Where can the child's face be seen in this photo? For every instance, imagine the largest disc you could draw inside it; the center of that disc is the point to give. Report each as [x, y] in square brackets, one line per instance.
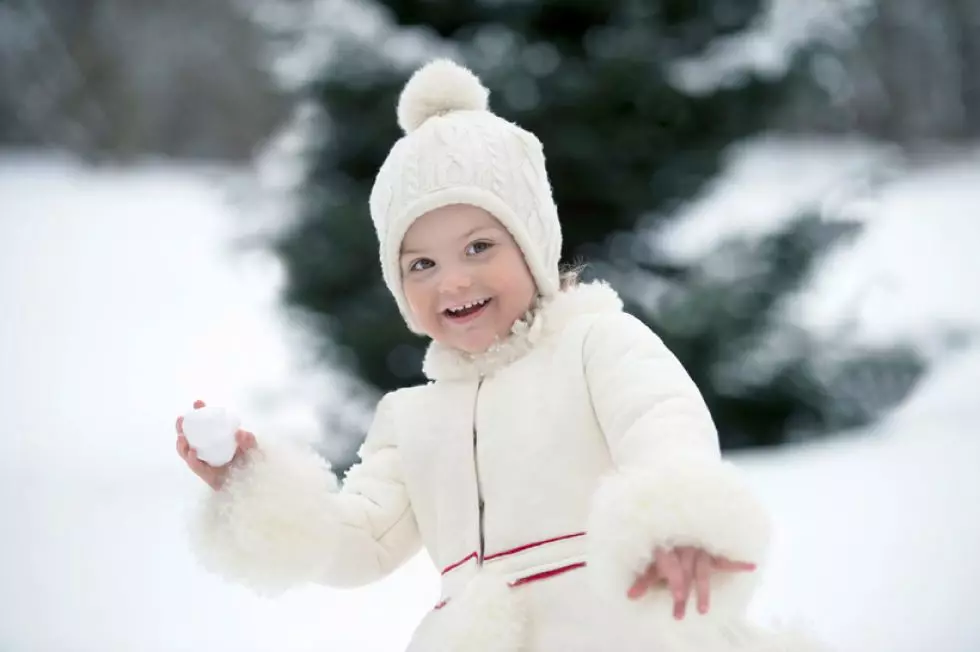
[459, 255]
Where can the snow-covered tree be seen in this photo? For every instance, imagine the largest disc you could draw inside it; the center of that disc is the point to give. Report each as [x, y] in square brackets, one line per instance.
[635, 105]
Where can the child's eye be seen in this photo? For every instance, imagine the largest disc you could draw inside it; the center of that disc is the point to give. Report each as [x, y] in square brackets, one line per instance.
[478, 247]
[420, 264]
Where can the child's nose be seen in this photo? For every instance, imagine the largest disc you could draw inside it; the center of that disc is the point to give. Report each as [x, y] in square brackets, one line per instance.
[453, 281]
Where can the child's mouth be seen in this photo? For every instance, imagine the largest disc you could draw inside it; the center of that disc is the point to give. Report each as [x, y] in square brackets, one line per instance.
[466, 312]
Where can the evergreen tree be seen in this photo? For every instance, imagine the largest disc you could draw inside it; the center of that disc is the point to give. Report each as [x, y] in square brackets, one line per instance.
[624, 147]
[765, 379]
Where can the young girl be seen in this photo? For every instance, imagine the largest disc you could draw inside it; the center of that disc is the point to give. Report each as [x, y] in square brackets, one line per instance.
[561, 468]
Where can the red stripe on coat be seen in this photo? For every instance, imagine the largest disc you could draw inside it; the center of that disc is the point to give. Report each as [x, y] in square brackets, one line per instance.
[528, 546]
[459, 563]
[546, 574]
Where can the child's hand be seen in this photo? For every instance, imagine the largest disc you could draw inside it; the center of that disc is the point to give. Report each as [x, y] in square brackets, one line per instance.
[678, 568]
[213, 475]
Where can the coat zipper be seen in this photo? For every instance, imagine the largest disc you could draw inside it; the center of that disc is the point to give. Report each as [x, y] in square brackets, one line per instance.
[481, 506]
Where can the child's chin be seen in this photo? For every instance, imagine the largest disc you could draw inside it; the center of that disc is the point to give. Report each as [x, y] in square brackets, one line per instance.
[473, 345]
[474, 349]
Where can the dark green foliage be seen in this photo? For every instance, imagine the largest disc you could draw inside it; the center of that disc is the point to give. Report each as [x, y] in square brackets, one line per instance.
[764, 379]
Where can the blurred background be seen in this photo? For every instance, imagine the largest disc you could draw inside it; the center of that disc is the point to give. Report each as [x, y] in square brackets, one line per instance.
[785, 191]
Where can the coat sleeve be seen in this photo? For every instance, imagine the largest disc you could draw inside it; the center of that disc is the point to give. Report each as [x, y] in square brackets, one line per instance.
[670, 486]
[282, 520]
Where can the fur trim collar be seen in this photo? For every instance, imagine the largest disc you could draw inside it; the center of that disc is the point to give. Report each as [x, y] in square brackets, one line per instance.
[545, 318]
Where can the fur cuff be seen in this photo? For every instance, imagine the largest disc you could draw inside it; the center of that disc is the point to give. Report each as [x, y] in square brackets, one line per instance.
[269, 526]
[705, 504]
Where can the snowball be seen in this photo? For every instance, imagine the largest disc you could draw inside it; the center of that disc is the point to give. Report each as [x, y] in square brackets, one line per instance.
[211, 432]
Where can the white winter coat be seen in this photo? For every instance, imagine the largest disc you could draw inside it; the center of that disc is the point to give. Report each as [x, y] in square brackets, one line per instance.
[539, 477]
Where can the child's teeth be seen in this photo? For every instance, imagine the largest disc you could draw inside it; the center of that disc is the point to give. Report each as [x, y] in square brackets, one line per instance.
[467, 306]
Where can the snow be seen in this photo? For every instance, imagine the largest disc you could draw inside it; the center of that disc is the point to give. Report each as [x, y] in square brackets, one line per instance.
[122, 305]
[915, 266]
[767, 47]
[210, 431]
[870, 525]
[124, 300]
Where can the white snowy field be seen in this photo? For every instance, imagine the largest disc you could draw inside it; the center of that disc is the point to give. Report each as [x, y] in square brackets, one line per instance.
[122, 304]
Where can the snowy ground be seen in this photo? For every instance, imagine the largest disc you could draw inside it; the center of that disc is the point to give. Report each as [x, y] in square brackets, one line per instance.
[121, 305]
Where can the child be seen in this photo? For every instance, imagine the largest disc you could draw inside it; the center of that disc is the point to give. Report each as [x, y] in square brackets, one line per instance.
[561, 469]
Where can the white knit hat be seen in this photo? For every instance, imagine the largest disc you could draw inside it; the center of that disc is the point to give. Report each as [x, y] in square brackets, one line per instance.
[455, 151]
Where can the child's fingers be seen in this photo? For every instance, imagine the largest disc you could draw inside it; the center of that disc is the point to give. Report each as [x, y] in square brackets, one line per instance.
[198, 404]
[245, 439]
[202, 469]
[727, 565]
[638, 589]
[182, 446]
[688, 556]
[702, 577]
[197, 464]
[669, 567]
[180, 425]
[642, 584]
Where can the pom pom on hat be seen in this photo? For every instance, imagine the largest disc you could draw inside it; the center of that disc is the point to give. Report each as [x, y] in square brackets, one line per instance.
[439, 87]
